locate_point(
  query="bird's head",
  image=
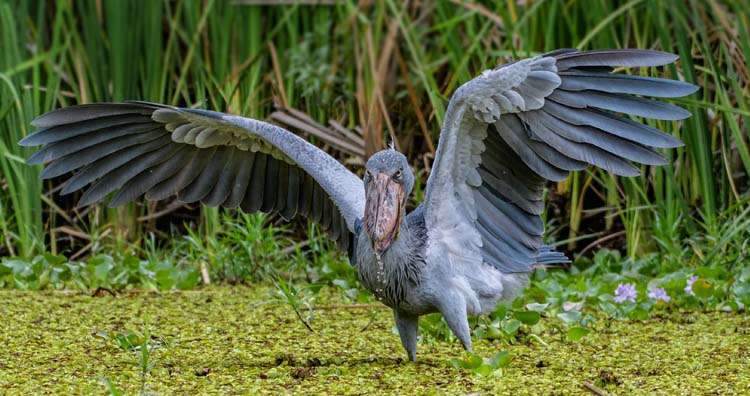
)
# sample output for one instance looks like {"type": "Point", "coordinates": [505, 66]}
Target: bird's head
{"type": "Point", "coordinates": [388, 183]}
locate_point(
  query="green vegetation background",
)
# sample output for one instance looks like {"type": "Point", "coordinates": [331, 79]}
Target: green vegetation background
{"type": "Point", "coordinates": [350, 77]}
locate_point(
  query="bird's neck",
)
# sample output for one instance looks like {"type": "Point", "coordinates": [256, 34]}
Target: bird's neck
{"type": "Point", "coordinates": [397, 269]}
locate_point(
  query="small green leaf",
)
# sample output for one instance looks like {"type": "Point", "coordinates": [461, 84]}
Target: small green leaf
{"type": "Point", "coordinates": [703, 288]}
{"type": "Point", "coordinates": [512, 326]}
{"type": "Point", "coordinates": [536, 307]}
{"type": "Point", "coordinates": [493, 333]}
{"type": "Point", "coordinates": [483, 370]}
{"type": "Point", "coordinates": [473, 362]}
{"type": "Point", "coordinates": [527, 317]}
{"type": "Point", "coordinates": [577, 332]}
{"type": "Point", "coordinates": [570, 317]}
{"type": "Point", "coordinates": [500, 312]}
{"type": "Point", "coordinates": [608, 308]}
{"type": "Point", "coordinates": [501, 360]}
{"type": "Point", "coordinates": [639, 314]}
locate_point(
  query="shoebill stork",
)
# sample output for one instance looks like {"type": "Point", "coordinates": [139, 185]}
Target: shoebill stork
{"type": "Point", "coordinates": [478, 233]}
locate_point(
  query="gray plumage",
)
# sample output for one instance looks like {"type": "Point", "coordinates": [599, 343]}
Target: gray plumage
{"type": "Point", "coordinates": [478, 233]}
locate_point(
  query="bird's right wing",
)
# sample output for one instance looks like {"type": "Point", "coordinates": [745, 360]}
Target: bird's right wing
{"type": "Point", "coordinates": [513, 128]}
{"type": "Point", "coordinates": [197, 155]}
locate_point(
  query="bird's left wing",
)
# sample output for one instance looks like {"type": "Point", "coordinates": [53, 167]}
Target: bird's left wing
{"type": "Point", "coordinates": [513, 128]}
{"type": "Point", "coordinates": [199, 156]}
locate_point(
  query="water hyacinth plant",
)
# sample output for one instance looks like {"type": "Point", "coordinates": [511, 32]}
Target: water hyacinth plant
{"type": "Point", "coordinates": [625, 292]}
{"type": "Point", "coordinates": [658, 294]}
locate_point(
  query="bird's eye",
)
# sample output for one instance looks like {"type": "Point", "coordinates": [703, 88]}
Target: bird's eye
{"type": "Point", "coordinates": [368, 174]}
{"type": "Point", "coordinates": [397, 175]}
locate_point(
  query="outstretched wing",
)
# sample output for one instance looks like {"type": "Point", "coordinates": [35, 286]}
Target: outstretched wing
{"type": "Point", "coordinates": [513, 128]}
{"type": "Point", "coordinates": [197, 155]}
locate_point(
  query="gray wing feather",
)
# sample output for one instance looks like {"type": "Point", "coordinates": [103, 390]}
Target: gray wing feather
{"type": "Point", "coordinates": [60, 166]}
{"type": "Point", "coordinates": [256, 190]}
{"type": "Point", "coordinates": [151, 177]}
{"type": "Point", "coordinates": [271, 185]}
{"type": "Point", "coordinates": [68, 130]}
{"type": "Point", "coordinates": [244, 179]}
{"type": "Point", "coordinates": [202, 185]}
{"type": "Point", "coordinates": [74, 144]}
{"type": "Point", "coordinates": [104, 165]}
{"type": "Point", "coordinates": [511, 129]}
{"type": "Point", "coordinates": [625, 84]}
{"type": "Point", "coordinates": [632, 105]}
{"type": "Point", "coordinates": [220, 191]}
{"type": "Point", "coordinates": [612, 58]}
{"type": "Point", "coordinates": [138, 148]}
{"type": "Point", "coordinates": [292, 196]}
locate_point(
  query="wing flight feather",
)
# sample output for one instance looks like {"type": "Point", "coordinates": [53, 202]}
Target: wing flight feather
{"type": "Point", "coordinates": [139, 148]}
{"type": "Point", "coordinates": [513, 128]}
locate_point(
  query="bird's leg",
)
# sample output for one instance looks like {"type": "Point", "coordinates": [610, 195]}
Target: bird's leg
{"type": "Point", "coordinates": [453, 308]}
{"type": "Point", "coordinates": [407, 328]}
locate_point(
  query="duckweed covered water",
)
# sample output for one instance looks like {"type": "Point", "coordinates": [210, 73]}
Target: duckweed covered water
{"type": "Point", "coordinates": [225, 342]}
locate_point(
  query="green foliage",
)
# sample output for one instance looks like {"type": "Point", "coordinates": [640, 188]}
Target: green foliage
{"type": "Point", "coordinates": [142, 345]}
{"type": "Point", "coordinates": [328, 62]}
{"type": "Point", "coordinates": [23, 94]}
{"type": "Point", "coordinates": [129, 272]}
{"type": "Point", "coordinates": [244, 248]}
{"type": "Point", "coordinates": [295, 297]}
{"type": "Point", "coordinates": [486, 367]}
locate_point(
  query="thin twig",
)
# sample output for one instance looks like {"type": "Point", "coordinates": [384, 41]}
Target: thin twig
{"type": "Point", "coordinates": [169, 209]}
{"type": "Point", "coordinates": [299, 316]}
{"type": "Point", "coordinates": [369, 322]}
{"type": "Point", "coordinates": [291, 249]}
{"type": "Point", "coordinates": [278, 74]}
{"type": "Point", "coordinates": [90, 244]}
{"type": "Point", "coordinates": [600, 240]}
{"type": "Point", "coordinates": [593, 388]}
{"type": "Point", "coordinates": [473, 6]}
{"type": "Point", "coordinates": [69, 231]}
{"type": "Point", "coordinates": [101, 290]}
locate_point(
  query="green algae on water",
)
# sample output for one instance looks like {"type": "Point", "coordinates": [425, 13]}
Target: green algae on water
{"type": "Point", "coordinates": [223, 342]}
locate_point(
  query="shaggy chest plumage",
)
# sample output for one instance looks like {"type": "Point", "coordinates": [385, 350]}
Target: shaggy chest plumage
{"type": "Point", "coordinates": [391, 276]}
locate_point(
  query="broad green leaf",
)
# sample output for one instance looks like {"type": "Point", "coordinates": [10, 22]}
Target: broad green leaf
{"type": "Point", "coordinates": [473, 361]}
{"type": "Point", "coordinates": [484, 370]}
{"type": "Point", "coordinates": [577, 332]}
{"type": "Point", "coordinates": [703, 288]}
{"type": "Point", "coordinates": [570, 317]}
{"type": "Point", "coordinates": [527, 317]}
{"type": "Point", "coordinates": [512, 326]}
{"type": "Point", "coordinates": [501, 359]}
{"type": "Point", "coordinates": [493, 333]}
{"type": "Point", "coordinates": [536, 307]}
{"type": "Point", "coordinates": [500, 312]}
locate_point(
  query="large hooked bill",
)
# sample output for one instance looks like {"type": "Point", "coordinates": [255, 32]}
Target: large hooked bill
{"type": "Point", "coordinates": [383, 211]}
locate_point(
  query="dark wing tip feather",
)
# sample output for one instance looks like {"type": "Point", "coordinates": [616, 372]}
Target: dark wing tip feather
{"type": "Point", "coordinates": [614, 57]}
{"type": "Point", "coordinates": [71, 114]}
{"type": "Point", "coordinates": [205, 113]}
{"type": "Point", "coordinates": [28, 140]}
